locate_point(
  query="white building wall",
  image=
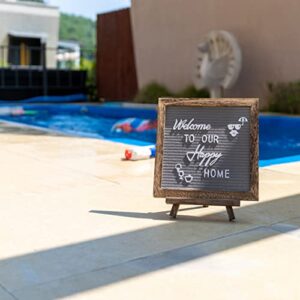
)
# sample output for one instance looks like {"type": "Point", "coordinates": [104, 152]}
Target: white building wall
{"type": "Point", "coordinates": [30, 17]}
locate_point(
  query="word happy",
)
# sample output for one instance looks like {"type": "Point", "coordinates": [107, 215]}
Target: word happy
{"type": "Point", "coordinates": [206, 158]}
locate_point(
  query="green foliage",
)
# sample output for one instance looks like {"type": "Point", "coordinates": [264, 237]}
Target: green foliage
{"type": "Point", "coordinates": [3, 64]}
{"type": "Point", "coordinates": [192, 92]}
{"type": "Point", "coordinates": [77, 28]}
{"type": "Point", "coordinates": [80, 29]}
{"type": "Point", "coordinates": [284, 97]}
{"type": "Point", "coordinates": [39, 1]}
{"type": "Point", "coordinates": [90, 67]}
{"type": "Point", "coordinates": [152, 91]}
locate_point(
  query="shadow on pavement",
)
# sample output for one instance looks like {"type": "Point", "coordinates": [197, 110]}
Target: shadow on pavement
{"type": "Point", "coordinates": [161, 215]}
{"type": "Point", "coordinates": [71, 269]}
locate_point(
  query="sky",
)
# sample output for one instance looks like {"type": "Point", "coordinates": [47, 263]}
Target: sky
{"type": "Point", "coordinates": [89, 8]}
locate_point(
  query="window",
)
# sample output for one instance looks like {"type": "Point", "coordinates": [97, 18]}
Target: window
{"type": "Point", "coordinates": [24, 51]}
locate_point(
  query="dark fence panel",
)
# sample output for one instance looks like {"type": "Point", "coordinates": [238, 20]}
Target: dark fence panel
{"type": "Point", "coordinates": [116, 72]}
{"type": "Point", "coordinates": [18, 84]}
{"type": "Point", "coordinates": [25, 72]}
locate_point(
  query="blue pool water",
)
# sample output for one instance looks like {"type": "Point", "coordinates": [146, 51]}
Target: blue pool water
{"type": "Point", "coordinates": [87, 121]}
{"type": "Point", "coordinates": [279, 139]}
{"type": "Point", "coordinates": [279, 136]}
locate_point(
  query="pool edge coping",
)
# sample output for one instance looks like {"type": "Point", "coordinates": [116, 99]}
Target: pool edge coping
{"type": "Point", "coordinates": [124, 141]}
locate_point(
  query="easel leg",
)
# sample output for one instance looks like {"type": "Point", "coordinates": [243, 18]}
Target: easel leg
{"type": "Point", "coordinates": [176, 202]}
{"type": "Point", "coordinates": [230, 213]}
{"type": "Point", "coordinates": [174, 210]}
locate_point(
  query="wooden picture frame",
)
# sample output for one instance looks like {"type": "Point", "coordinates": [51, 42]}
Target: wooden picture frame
{"type": "Point", "coordinates": [196, 196]}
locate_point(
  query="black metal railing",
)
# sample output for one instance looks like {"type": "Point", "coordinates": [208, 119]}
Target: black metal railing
{"type": "Point", "coordinates": [42, 69]}
{"type": "Point", "coordinates": [24, 56]}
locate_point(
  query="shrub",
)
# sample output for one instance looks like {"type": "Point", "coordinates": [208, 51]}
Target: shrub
{"type": "Point", "coordinates": [284, 97]}
{"type": "Point", "coordinates": [192, 92]}
{"type": "Point", "coordinates": [152, 91]}
{"type": "Point", "coordinates": [90, 67]}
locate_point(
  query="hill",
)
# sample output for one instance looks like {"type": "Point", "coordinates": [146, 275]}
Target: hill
{"type": "Point", "coordinates": [39, 1]}
{"type": "Point", "coordinates": [79, 29]}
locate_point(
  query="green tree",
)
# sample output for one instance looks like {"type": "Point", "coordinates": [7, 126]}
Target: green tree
{"type": "Point", "coordinates": [80, 29]}
{"type": "Point", "coordinates": [39, 1]}
{"type": "Point", "coordinates": [77, 28]}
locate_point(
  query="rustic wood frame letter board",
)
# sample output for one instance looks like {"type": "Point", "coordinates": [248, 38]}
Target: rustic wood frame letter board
{"type": "Point", "coordinates": [207, 152]}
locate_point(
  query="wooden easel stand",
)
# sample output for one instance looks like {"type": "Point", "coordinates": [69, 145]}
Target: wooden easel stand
{"type": "Point", "coordinates": [176, 202]}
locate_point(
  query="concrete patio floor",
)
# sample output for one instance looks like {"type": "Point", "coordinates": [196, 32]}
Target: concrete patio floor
{"type": "Point", "coordinates": [79, 223]}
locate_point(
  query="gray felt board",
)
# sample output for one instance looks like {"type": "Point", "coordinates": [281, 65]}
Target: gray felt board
{"type": "Point", "coordinates": [206, 148]}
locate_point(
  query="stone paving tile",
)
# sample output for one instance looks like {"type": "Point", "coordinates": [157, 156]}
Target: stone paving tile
{"type": "Point", "coordinates": [290, 227]}
{"type": "Point", "coordinates": [108, 246]}
{"type": "Point", "coordinates": [4, 295]}
{"type": "Point", "coordinates": [234, 265]}
{"type": "Point", "coordinates": [82, 223]}
{"type": "Point", "coordinates": [291, 168]}
{"type": "Point", "coordinates": [59, 262]}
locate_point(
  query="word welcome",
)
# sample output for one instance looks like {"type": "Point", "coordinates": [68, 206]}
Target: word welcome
{"type": "Point", "coordinates": [189, 125]}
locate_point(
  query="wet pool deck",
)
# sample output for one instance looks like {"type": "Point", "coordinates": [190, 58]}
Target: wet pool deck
{"type": "Point", "coordinates": [78, 223]}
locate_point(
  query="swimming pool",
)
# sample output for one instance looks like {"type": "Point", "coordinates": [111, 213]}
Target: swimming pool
{"type": "Point", "coordinates": [279, 136]}
{"type": "Point", "coordinates": [279, 139]}
{"type": "Point", "coordinates": [92, 121]}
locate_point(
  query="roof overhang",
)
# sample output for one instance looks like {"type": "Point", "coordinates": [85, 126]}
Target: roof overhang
{"type": "Point", "coordinates": [28, 8]}
{"type": "Point", "coordinates": [30, 35]}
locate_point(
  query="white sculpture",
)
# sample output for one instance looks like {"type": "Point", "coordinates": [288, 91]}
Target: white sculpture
{"type": "Point", "coordinates": [219, 63]}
